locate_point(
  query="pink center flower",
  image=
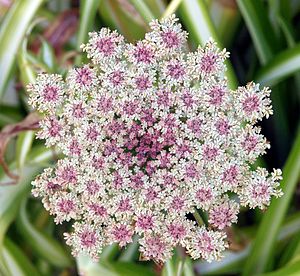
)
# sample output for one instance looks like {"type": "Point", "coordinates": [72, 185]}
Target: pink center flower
{"type": "Point", "coordinates": [251, 104]}
{"type": "Point", "coordinates": [88, 238]}
{"type": "Point", "coordinates": [208, 63]}
{"type": "Point", "coordinates": [84, 76]}
{"type": "Point", "coordinates": [176, 71]}
{"type": "Point", "coordinates": [50, 93]}
{"type": "Point", "coordinates": [106, 46]}
{"type": "Point", "coordinates": [143, 54]}
{"type": "Point", "coordinates": [66, 206]}
{"type": "Point", "coordinates": [145, 222]}
{"type": "Point", "coordinates": [170, 39]}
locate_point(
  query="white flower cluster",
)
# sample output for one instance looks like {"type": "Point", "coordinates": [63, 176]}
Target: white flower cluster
{"type": "Point", "coordinates": [151, 135]}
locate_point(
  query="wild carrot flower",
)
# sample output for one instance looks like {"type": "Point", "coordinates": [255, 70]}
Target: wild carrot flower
{"type": "Point", "coordinates": [150, 134]}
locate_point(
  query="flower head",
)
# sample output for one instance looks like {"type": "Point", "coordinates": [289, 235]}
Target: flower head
{"type": "Point", "coordinates": [151, 133]}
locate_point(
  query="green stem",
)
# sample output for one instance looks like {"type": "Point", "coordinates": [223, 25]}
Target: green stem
{"type": "Point", "coordinates": [198, 218]}
{"type": "Point", "coordinates": [180, 267]}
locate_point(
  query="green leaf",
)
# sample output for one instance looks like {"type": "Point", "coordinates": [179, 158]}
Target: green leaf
{"type": "Point", "coordinates": [292, 269]}
{"type": "Point", "coordinates": [41, 243]}
{"type": "Point", "coordinates": [27, 72]}
{"type": "Point", "coordinates": [9, 115]}
{"type": "Point", "coordinates": [168, 269]}
{"type": "Point", "coordinates": [282, 66]}
{"type": "Point", "coordinates": [197, 19]}
{"type": "Point", "coordinates": [116, 16]}
{"type": "Point", "coordinates": [143, 10]}
{"type": "Point", "coordinates": [291, 249]}
{"type": "Point", "coordinates": [264, 243]}
{"type": "Point", "coordinates": [261, 31]}
{"type": "Point", "coordinates": [12, 31]}
{"type": "Point", "coordinates": [188, 267]}
{"type": "Point", "coordinates": [130, 252]}
{"type": "Point", "coordinates": [47, 56]}
{"type": "Point", "coordinates": [24, 144]}
{"type": "Point", "coordinates": [17, 263]}
{"type": "Point", "coordinates": [89, 268]}
{"type": "Point", "coordinates": [287, 30]}
{"type": "Point", "coordinates": [110, 252]}
{"type": "Point", "coordinates": [40, 155]}
{"type": "Point", "coordinates": [227, 19]}
{"type": "Point", "coordinates": [171, 8]}
{"type": "Point", "coordinates": [10, 197]}
{"type": "Point", "coordinates": [88, 10]}
{"type": "Point", "coordinates": [157, 7]}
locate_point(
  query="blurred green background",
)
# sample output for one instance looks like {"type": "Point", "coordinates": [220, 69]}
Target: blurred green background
{"type": "Point", "coordinates": [38, 35]}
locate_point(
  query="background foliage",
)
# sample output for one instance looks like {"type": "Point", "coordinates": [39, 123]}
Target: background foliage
{"type": "Point", "coordinates": [38, 35]}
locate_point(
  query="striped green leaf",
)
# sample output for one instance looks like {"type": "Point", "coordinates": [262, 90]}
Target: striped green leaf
{"type": "Point", "coordinates": [263, 36]}
{"type": "Point", "coordinates": [292, 269]}
{"type": "Point", "coordinates": [282, 66]}
{"type": "Point", "coordinates": [12, 31]}
{"type": "Point", "coordinates": [41, 243]}
{"type": "Point", "coordinates": [89, 268]}
{"type": "Point", "coordinates": [24, 144]}
{"type": "Point", "coordinates": [16, 262]}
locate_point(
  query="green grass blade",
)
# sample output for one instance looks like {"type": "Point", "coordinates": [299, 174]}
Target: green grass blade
{"type": "Point", "coordinates": [24, 143]}
{"type": "Point", "coordinates": [11, 34]}
{"type": "Point", "coordinates": [88, 10]}
{"type": "Point", "coordinates": [287, 30]}
{"type": "Point", "coordinates": [261, 31]}
{"type": "Point", "coordinates": [282, 66]}
{"type": "Point", "coordinates": [197, 19]}
{"type": "Point", "coordinates": [47, 56]}
{"type": "Point", "coordinates": [42, 244]}
{"type": "Point", "coordinates": [129, 23]}
{"type": "Point", "coordinates": [109, 252]}
{"type": "Point", "coordinates": [143, 10]}
{"type": "Point", "coordinates": [171, 8]}
{"type": "Point", "coordinates": [27, 73]}
{"type": "Point", "coordinates": [10, 197]}
{"type": "Point", "coordinates": [292, 269]}
{"type": "Point", "coordinates": [40, 155]}
{"type": "Point", "coordinates": [227, 19]}
{"type": "Point", "coordinates": [291, 250]}
{"type": "Point", "coordinates": [169, 269]}
{"type": "Point", "coordinates": [16, 261]}
{"type": "Point", "coordinates": [88, 267]}
{"type": "Point", "coordinates": [9, 115]}
{"type": "Point", "coordinates": [264, 243]}
{"type": "Point", "coordinates": [188, 267]}
{"type": "Point", "coordinates": [131, 251]}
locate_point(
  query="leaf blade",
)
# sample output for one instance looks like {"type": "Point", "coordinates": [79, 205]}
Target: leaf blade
{"type": "Point", "coordinates": [282, 66]}
{"type": "Point", "coordinates": [11, 34]}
